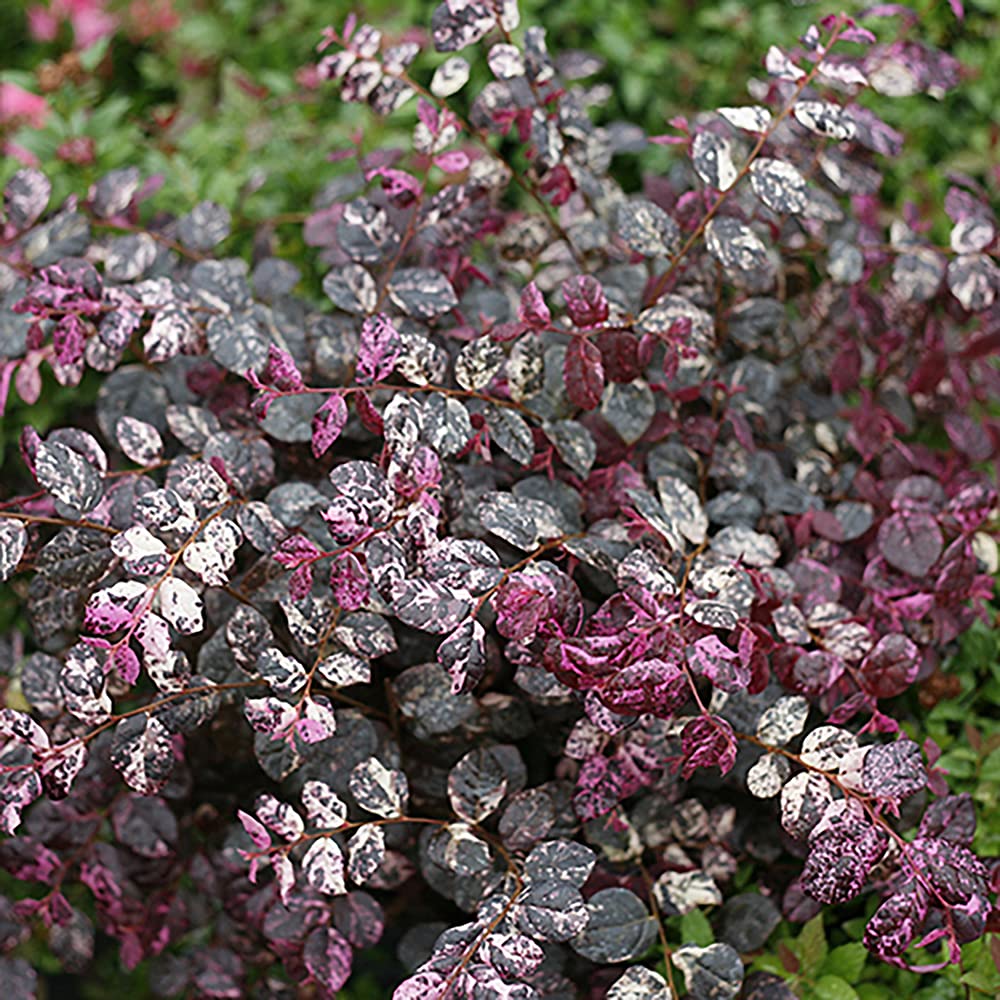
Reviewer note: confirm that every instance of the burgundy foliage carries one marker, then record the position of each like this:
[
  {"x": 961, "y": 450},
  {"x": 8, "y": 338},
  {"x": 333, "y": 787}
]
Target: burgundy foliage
[{"x": 574, "y": 557}]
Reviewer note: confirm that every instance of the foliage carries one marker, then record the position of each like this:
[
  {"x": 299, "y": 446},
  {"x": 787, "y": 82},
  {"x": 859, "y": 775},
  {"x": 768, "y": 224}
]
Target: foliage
[
  {"x": 220, "y": 99},
  {"x": 577, "y": 567}
]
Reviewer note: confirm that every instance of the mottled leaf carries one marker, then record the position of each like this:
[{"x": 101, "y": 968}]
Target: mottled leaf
[
  {"x": 734, "y": 244},
  {"x": 323, "y": 867},
  {"x": 422, "y": 292},
  {"x": 712, "y": 157},
  {"x": 13, "y": 539},
  {"x": 779, "y": 185},
  {"x": 351, "y": 288},
  {"x": 911, "y": 542},
  {"x": 378, "y": 789}
]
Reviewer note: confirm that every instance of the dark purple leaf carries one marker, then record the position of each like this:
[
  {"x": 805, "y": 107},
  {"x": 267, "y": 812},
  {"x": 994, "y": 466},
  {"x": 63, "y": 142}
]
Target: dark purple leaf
[
  {"x": 328, "y": 958},
  {"x": 911, "y": 542},
  {"x": 895, "y": 924},
  {"x": 619, "y": 928},
  {"x": 707, "y": 741},
  {"x": 840, "y": 861},
  {"x": 477, "y": 785},
  {"x": 359, "y": 918},
  {"x": 463, "y": 655},
  {"x": 559, "y": 861},
  {"x": 950, "y": 818},
  {"x": 552, "y": 911},
  {"x": 583, "y": 373},
  {"x": 893, "y": 770}
]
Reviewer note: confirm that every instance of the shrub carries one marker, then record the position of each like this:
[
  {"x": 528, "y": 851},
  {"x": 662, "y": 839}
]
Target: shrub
[{"x": 580, "y": 558}]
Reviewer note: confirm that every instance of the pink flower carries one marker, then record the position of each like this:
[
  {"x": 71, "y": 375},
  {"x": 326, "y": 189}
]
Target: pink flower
[
  {"x": 19, "y": 153},
  {"x": 88, "y": 18},
  {"x": 151, "y": 17},
  {"x": 43, "y": 25},
  {"x": 90, "y": 21},
  {"x": 18, "y": 104},
  {"x": 80, "y": 150}
]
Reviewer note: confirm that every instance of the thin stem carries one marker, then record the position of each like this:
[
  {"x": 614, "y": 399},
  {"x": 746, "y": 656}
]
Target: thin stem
[
  {"x": 660, "y": 929},
  {"x": 482, "y": 139},
  {"x": 63, "y": 522}
]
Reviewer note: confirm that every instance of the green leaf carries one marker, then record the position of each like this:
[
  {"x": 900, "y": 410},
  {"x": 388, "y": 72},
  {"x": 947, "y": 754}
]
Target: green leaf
[
  {"x": 871, "y": 991},
  {"x": 981, "y": 982},
  {"x": 90, "y": 57},
  {"x": 846, "y": 961},
  {"x": 769, "y": 963},
  {"x": 833, "y": 988},
  {"x": 811, "y": 946},
  {"x": 695, "y": 929}
]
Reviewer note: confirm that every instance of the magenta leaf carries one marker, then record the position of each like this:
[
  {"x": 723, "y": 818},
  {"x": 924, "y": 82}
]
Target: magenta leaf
[
  {"x": 255, "y": 830},
  {"x": 380, "y": 347},
  {"x": 327, "y": 423},
  {"x": 891, "y": 667},
  {"x": 583, "y": 373},
  {"x": 585, "y": 300},
  {"x": 840, "y": 861},
  {"x": 532, "y": 310},
  {"x": 707, "y": 741}
]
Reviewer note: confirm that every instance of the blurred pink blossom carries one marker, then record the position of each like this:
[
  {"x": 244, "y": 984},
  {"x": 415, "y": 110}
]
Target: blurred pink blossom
[
  {"x": 19, "y": 153},
  {"x": 88, "y": 18},
  {"x": 43, "y": 25},
  {"x": 19, "y": 104},
  {"x": 151, "y": 17}
]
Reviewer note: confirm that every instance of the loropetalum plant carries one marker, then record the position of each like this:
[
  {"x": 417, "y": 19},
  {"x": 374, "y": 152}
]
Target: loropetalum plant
[{"x": 575, "y": 558}]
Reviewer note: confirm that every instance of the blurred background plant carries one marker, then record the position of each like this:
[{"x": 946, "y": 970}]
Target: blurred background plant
[{"x": 220, "y": 95}]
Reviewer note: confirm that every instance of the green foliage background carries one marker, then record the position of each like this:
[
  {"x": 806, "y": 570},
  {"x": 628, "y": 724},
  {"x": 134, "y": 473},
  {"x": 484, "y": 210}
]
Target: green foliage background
[{"x": 263, "y": 153}]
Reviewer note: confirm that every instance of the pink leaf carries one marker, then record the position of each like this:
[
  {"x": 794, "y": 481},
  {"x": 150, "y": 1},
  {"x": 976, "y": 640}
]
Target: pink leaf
[
  {"x": 126, "y": 663},
  {"x": 533, "y": 311},
  {"x": 327, "y": 424},
  {"x": 295, "y": 550},
  {"x": 255, "y": 830},
  {"x": 349, "y": 581},
  {"x": 452, "y": 163},
  {"x": 281, "y": 371},
  {"x": 708, "y": 741},
  {"x": 380, "y": 346},
  {"x": 585, "y": 300},
  {"x": 583, "y": 372}
]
